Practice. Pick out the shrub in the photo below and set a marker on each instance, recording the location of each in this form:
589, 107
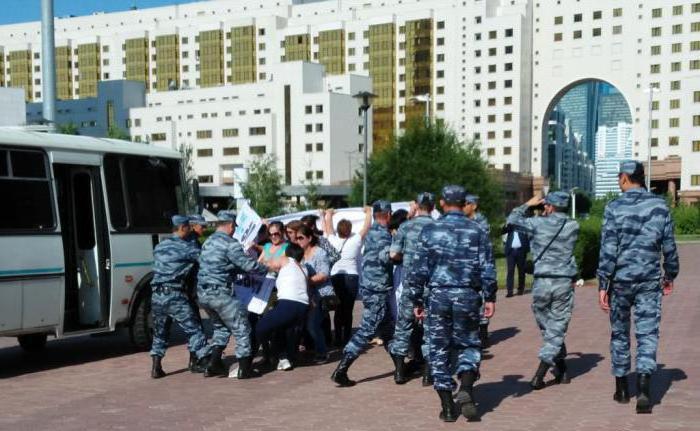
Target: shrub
588, 246
686, 219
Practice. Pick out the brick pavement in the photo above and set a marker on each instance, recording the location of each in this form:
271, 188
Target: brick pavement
102, 383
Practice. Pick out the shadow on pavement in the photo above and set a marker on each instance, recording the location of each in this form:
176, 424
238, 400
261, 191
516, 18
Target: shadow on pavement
661, 381
490, 395
378, 377
581, 363
500, 335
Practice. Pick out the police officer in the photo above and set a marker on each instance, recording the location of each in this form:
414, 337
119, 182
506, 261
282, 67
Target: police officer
471, 209
375, 286
198, 224
222, 258
553, 238
173, 260
403, 249
453, 252
637, 230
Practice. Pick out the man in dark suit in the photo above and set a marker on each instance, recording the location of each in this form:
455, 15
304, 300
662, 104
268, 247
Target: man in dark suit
517, 246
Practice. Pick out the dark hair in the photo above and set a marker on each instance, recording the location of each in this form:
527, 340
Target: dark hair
293, 225
344, 228
294, 251
426, 207
308, 232
278, 224
397, 219
310, 221
637, 179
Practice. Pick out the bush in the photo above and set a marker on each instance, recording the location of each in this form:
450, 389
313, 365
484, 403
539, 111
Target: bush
588, 246
686, 219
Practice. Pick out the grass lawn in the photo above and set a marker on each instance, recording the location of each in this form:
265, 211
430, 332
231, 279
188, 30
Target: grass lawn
687, 238
501, 269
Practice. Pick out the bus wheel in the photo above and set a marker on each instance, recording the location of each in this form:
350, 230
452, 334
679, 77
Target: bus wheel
141, 329
32, 343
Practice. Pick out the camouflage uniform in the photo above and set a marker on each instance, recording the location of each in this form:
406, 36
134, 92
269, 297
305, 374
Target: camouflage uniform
482, 221
454, 253
222, 258
174, 259
637, 229
552, 291
406, 242
375, 286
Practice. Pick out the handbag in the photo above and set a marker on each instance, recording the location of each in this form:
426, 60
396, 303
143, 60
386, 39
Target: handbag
530, 264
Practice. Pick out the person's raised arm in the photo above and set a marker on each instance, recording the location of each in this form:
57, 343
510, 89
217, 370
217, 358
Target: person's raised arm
367, 223
328, 229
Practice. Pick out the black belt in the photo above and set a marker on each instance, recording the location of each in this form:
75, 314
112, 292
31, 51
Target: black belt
166, 288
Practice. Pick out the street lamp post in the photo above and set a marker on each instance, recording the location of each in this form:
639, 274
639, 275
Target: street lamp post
651, 90
365, 98
573, 202
424, 98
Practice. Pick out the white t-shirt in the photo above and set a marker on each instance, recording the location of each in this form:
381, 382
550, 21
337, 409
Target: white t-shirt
291, 283
349, 253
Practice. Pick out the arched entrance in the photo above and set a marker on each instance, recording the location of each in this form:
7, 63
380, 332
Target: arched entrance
586, 132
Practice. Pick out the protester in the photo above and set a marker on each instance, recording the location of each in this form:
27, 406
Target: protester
279, 325
277, 245
318, 267
344, 274
291, 230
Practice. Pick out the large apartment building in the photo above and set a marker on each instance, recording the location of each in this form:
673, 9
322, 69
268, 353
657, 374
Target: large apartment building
493, 69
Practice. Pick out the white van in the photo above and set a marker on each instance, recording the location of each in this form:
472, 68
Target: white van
79, 221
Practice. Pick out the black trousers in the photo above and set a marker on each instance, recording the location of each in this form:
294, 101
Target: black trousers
513, 260
346, 287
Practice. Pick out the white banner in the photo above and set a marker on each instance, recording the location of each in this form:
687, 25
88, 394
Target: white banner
248, 223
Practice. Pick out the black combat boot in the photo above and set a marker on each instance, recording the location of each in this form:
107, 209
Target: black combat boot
197, 365
340, 375
427, 375
484, 335
399, 370
449, 412
465, 396
643, 396
216, 366
537, 381
157, 369
622, 394
560, 374
245, 368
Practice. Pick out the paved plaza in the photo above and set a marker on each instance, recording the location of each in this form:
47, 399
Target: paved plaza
101, 383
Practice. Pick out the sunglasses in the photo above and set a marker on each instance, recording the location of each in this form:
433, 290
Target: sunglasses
301, 237
275, 234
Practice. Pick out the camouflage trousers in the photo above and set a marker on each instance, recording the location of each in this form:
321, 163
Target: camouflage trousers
482, 319
167, 304
645, 298
552, 304
227, 316
454, 331
374, 309
405, 324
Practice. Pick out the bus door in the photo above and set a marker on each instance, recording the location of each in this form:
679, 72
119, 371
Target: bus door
85, 244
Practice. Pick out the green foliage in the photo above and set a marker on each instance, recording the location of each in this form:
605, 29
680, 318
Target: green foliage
426, 159
311, 197
598, 205
115, 132
686, 219
264, 186
67, 129
588, 246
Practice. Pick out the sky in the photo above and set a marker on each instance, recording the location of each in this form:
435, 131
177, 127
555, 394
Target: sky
14, 11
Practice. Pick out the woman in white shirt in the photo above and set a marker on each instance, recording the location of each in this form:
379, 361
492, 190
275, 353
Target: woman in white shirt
344, 274
280, 324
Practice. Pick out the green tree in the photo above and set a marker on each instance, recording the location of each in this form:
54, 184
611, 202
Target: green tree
189, 199
264, 186
115, 132
426, 159
67, 129
311, 196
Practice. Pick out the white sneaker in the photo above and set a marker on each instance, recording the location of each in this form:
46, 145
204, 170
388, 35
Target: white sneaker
284, 365
233, 372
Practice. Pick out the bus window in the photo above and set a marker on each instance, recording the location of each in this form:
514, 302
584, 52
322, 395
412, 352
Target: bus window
25, 186
145, 189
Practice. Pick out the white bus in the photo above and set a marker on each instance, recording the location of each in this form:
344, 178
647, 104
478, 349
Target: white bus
78, 224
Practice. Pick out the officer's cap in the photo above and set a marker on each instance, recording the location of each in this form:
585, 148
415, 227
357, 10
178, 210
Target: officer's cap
179, 220
454, 194
425, 198
472, 199
557, 199
226, 216
632, 167
381, 206
198, 219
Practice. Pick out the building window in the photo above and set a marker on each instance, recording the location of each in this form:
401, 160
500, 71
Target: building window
230, 133
492, 52
654, 142
508, 117
493, 34
696, 120
694, 64
695, 180
508, 100
309, 128
675, 103
509, 32
597, 32
319, 127
205, 179
617, 29
696, 96
203, 134
507, 151
309, 175
256, 131
319, 175
695, 45
695, 27
491, 118
695, 7
492, 101
490, 151
656, 31
675, 122
578, 17
558, 20
673, 141
696, 146
578, 34
655, 105
319, 146
678, 10
155, 137
617, 12
676, 48
231, 151
656, 13
675, 85
205, 152
677, 28
598, 14
308, 109
655, 68
440, 58
309, 147
507, 134
656, 50
506, 167
508, 83
257, 150
509, 49
558, 37
319, 109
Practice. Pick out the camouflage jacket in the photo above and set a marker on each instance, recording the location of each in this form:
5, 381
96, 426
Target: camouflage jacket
222, 258
406, 239
173, 258
377, 267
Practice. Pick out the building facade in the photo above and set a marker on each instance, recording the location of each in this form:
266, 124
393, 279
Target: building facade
12, 108
308, 120
493, 69
613, 145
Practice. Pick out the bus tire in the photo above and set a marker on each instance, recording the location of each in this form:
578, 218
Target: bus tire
141, 328
32, 343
